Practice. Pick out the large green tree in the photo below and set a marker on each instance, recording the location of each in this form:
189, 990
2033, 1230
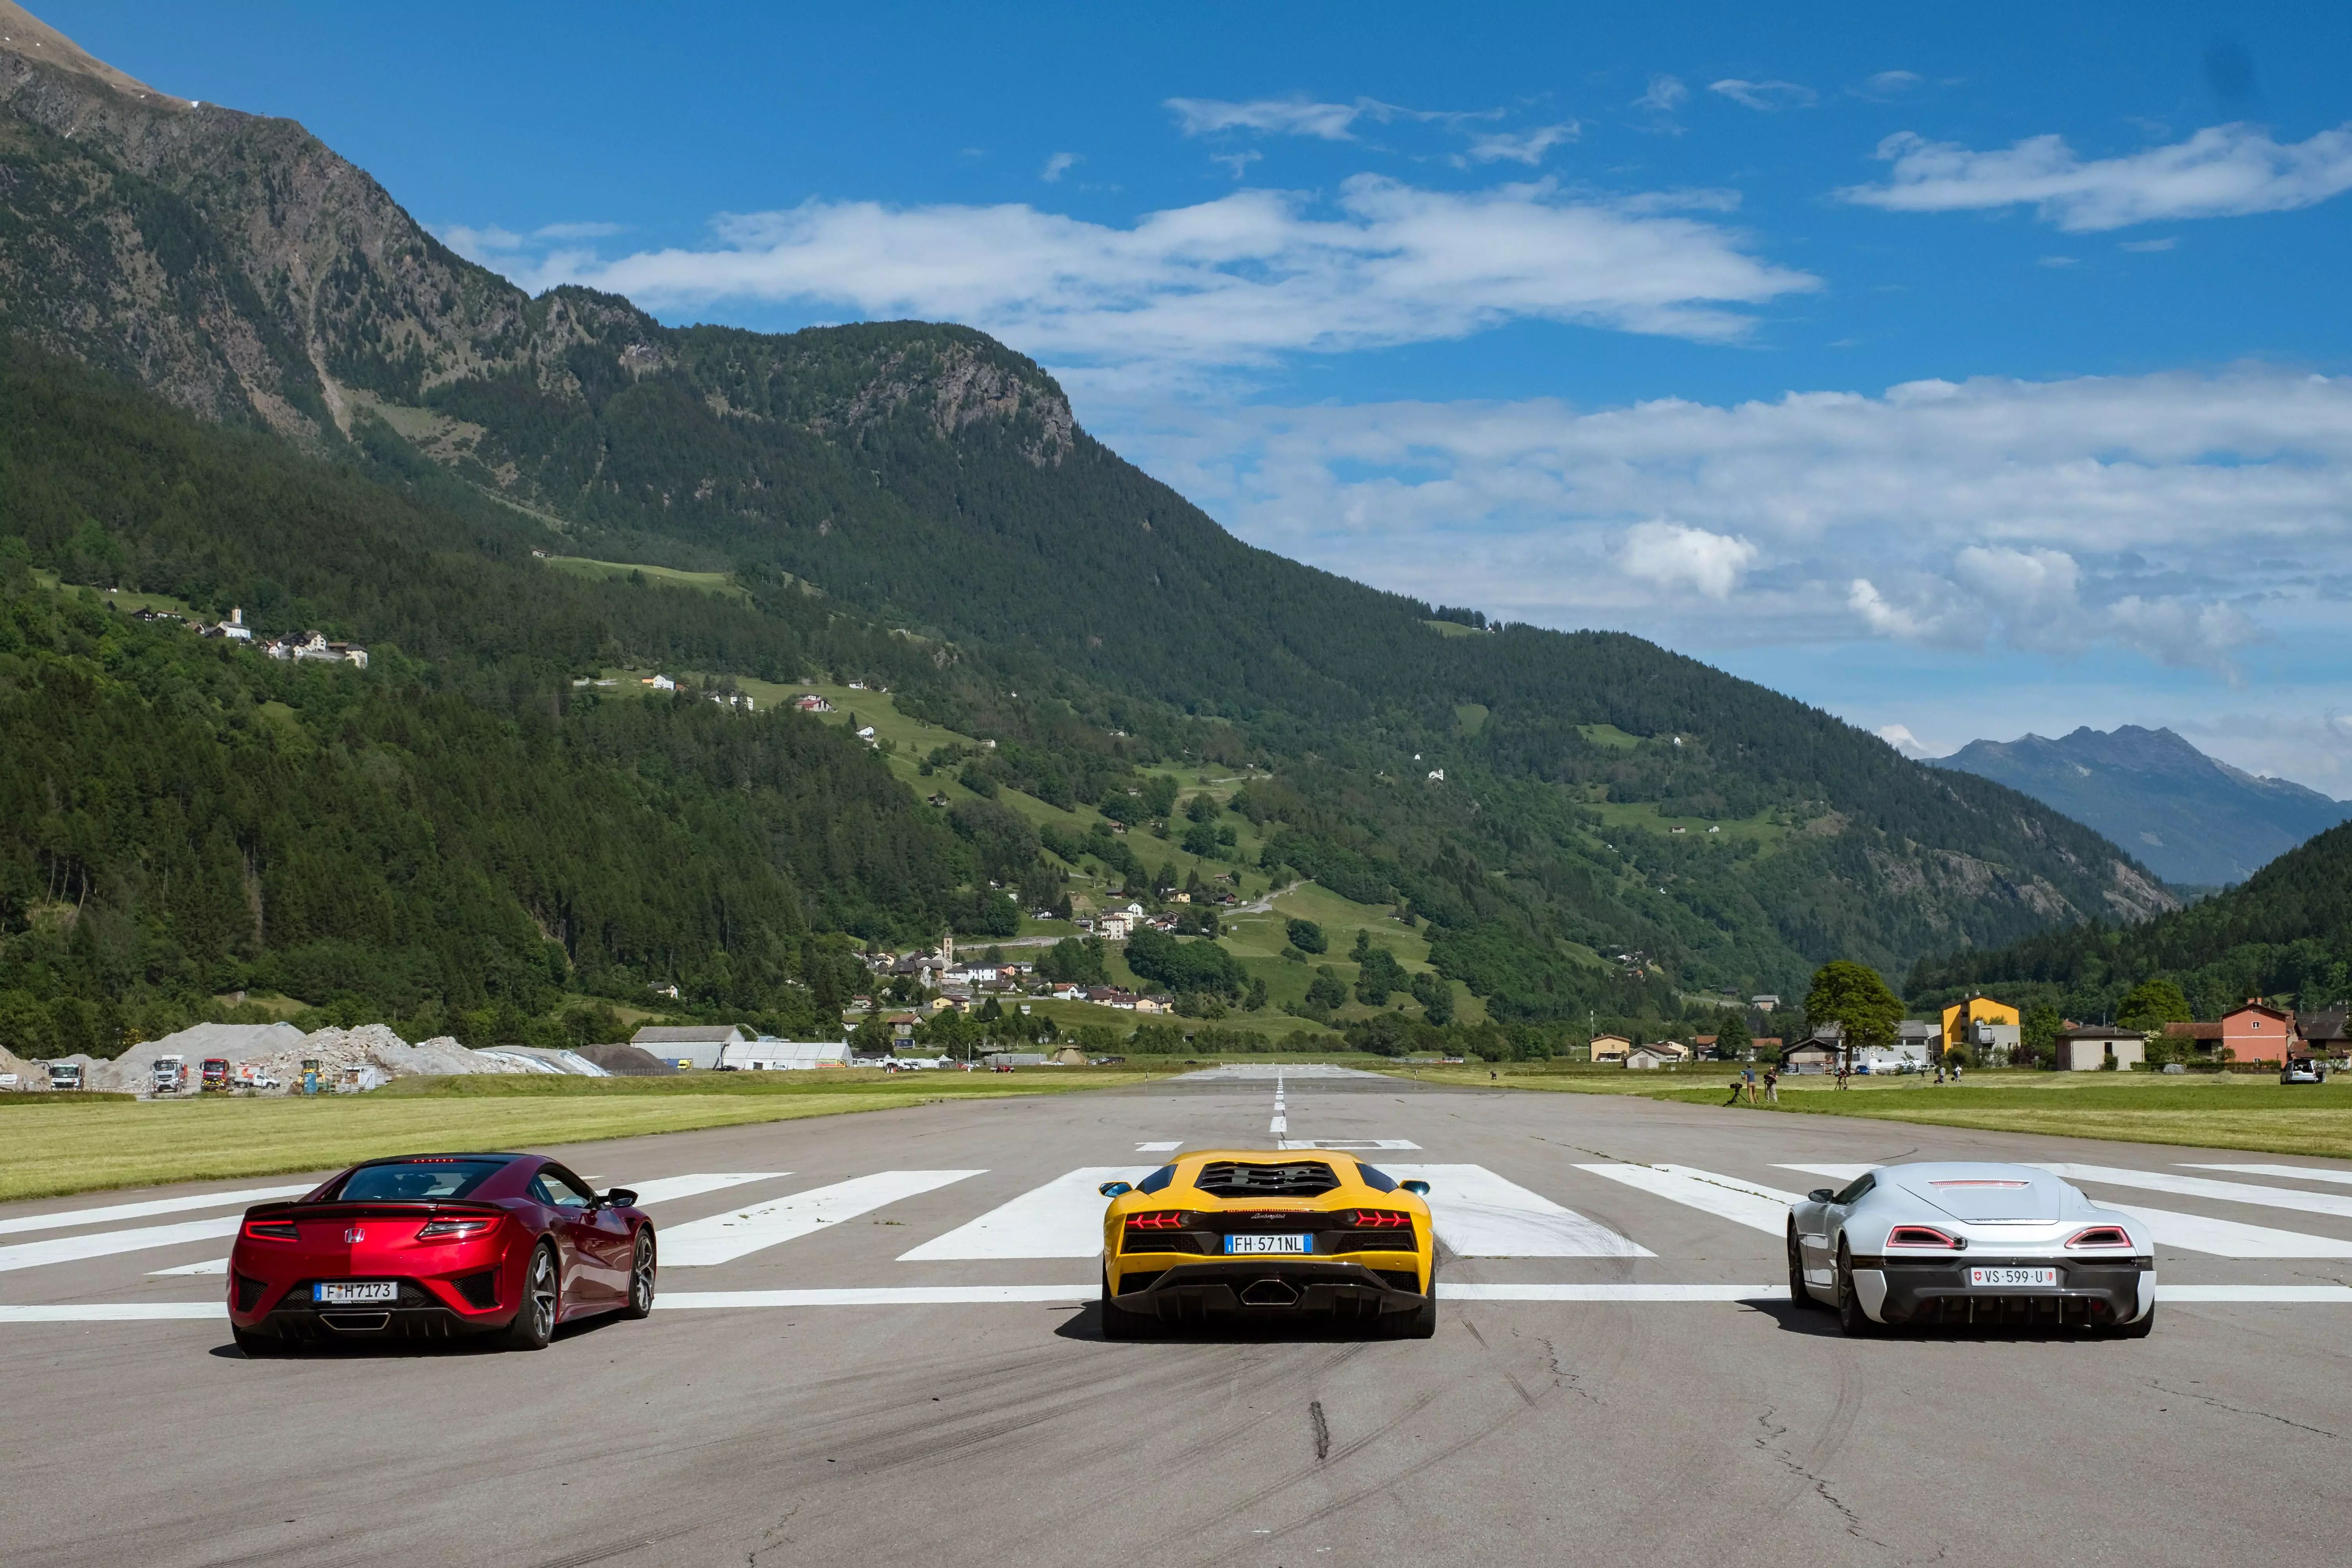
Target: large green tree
1852, 996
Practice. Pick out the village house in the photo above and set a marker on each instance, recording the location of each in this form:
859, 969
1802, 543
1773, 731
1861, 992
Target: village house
314, 646
1114, 927
699, 1045
810, 703
1989, 1025
234, 628
1650, 1059
2086, 1047
1155, 1003
2255, 1033
1811, 1056
658, 682
1611, 1048
2327, 1033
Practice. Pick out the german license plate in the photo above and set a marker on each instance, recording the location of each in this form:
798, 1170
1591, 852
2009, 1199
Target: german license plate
2012, 1279
1270, 1243
356, 1292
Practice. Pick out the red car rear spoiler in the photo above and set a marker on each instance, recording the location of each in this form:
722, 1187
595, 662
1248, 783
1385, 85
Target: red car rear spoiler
371, 1209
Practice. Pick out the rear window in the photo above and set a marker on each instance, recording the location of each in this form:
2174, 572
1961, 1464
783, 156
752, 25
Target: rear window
1158, 1179
417, 1179
1379, 1180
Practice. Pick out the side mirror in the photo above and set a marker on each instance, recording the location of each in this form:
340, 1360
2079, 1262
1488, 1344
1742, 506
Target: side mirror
1112, 1189
621, 1198
1418, 1189
1821, 1195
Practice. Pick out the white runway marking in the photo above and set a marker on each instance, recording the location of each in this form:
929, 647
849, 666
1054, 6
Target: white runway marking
724, 1237
659, 1189
880, 1296
1159, 1147
1726, 1197
1016, 1295
2334, 1204
1480, 1214
1063, 1218
105, 1244
1448, 1291
2187, 1232
1281, 1124
1348, 1144
669, 1189
114, 1212
2300, 1173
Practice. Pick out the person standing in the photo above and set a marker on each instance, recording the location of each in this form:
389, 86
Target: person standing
1772, 1085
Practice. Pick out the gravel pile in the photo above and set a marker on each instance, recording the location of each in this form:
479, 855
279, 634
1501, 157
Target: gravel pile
366, 1057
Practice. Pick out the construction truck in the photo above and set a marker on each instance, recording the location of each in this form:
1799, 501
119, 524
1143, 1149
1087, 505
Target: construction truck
215, 1079
65, 1075
171, 1075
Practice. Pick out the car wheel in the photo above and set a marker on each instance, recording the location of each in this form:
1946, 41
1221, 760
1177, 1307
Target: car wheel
1797, 1290
256, 1346
641, 1277
1118, 1322
542, 1302
1421, 1323
1852, 1319
2139, 1330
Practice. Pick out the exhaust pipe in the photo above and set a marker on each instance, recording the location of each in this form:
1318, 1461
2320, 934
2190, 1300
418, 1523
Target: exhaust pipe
1270, 1293
355, 1322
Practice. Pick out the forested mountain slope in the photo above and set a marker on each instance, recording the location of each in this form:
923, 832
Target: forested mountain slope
2285, 932
2193, 821
913, 503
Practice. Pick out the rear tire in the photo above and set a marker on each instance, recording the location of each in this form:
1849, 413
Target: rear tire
257, 1346
1118, 1322
1799, 1291
1855, 1322
543, 1303
642, 1277
1421, 1323
2139, 1330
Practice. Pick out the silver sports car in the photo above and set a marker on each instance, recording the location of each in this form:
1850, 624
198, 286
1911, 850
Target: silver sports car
1970, 1244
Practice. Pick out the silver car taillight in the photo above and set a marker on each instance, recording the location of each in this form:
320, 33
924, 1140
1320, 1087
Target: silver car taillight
1925, 1236
2100, 1235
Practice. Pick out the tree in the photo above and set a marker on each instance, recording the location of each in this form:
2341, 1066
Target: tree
1255, 1000
1732, 1038
1326, 990
1075, 961
1435, 994
1202, 808
2151, 1005
1380, 974
1852, 996
1308, 937
2038, 1032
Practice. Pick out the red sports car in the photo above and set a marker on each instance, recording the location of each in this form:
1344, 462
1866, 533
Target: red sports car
438, 1244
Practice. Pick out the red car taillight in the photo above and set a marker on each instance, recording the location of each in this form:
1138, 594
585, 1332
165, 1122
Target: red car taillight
453, 1230
1381, 1219
1157, 1219
2100, 1235
271, 1230
1923, 1236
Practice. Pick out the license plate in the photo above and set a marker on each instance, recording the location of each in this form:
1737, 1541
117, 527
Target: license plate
1270, 1244
2012, 1279
353, 1292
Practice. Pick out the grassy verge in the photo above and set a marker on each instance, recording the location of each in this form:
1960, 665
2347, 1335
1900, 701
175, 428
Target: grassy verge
2215, 1111
51, 1150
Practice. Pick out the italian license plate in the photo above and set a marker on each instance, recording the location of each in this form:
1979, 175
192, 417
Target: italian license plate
356, 1292
2012, 1279
1270, 1243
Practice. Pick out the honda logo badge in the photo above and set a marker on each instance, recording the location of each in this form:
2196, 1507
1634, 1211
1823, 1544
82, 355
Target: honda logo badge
354, 1233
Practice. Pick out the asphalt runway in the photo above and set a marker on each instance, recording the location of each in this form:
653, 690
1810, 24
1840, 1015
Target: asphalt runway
875, 1345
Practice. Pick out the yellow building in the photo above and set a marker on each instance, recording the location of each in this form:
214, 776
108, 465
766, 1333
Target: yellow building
1975, 1010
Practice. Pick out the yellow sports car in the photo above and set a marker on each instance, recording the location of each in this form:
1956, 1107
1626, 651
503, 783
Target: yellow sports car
1234, 1233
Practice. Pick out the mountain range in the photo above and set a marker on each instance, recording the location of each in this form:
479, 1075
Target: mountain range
2192, 820
239, 374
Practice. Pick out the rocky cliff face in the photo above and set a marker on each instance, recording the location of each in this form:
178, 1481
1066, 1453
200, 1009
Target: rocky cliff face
240, 266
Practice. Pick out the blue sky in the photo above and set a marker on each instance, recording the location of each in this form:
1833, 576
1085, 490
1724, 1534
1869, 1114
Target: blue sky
1961, 370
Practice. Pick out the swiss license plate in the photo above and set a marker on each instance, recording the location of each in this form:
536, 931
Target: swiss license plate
355, 1292
2012, 1279
1270, 1243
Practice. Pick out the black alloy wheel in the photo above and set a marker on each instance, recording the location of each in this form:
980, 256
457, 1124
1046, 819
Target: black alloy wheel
257, 1345
1855, 1322
2139, 1330
641, 1277
542, 1301
1421, 1323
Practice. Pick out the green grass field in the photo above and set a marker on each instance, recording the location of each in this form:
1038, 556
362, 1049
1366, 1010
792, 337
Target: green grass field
717, 583
2216, 1110
52, 1149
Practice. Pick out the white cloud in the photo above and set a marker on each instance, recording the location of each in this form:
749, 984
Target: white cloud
1058, 166
1672, 556
1238, 280
1765, 95
1666, 95
1528, 147
1284, 116
1900, 737
2179, 517
1885, 87
2224, 171
479, 244
561, 231
2058, 262
2146, 246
